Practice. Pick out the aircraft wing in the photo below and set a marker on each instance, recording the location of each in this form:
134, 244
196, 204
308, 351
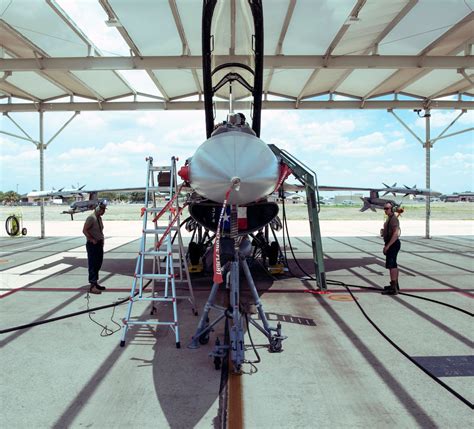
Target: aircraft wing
136, 189
294, 187
124, 190
54, 193
388, 189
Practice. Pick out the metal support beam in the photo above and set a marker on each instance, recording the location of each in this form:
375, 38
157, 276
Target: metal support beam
19, 137
405, 125
27, 136
191, 62
442, 136
452, 134
238, 105
62, 128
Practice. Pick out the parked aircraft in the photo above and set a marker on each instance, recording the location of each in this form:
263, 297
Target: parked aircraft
374, 200
61, 193
231, 175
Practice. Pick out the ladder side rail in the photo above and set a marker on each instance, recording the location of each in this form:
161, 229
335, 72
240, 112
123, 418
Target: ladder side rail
145, 222
130, 302
169, 265
182, 257
186, 270
156, 262
173, 293
174, 192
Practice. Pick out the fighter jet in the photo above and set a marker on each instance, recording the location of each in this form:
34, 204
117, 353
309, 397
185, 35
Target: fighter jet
61, 193
374, 201
91, 203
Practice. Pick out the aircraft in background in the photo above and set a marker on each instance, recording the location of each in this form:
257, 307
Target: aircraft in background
61, 193
375, 201
81, 204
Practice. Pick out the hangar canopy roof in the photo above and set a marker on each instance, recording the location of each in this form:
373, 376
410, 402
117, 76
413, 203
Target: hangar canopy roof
122, 55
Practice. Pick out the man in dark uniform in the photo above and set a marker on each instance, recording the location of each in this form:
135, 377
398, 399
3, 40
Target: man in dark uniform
390, 233
93, 230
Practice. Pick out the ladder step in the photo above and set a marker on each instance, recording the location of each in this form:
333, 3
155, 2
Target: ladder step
153, 276
155, 252
159, 189
174, 249
157, 298
159, 230
160, 168
154, 209
148, 322
177, 297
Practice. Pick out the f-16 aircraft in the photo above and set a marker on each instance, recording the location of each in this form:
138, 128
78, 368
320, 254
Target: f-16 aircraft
229, 179
81, 205
61, 193
374, 201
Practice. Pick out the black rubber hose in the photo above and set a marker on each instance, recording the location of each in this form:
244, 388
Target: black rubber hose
66, 316
449, 389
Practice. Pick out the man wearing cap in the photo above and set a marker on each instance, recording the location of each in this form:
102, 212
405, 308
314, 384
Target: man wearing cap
391, 234
93, 230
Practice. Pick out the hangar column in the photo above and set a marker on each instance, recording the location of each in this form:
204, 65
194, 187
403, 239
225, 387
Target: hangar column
427, 145
41, 148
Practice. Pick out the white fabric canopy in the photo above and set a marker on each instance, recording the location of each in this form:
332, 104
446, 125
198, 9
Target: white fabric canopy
327, 51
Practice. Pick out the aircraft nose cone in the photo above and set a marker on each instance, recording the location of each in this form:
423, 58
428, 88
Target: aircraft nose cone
237, 160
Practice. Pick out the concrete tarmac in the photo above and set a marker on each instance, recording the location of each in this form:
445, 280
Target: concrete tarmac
335, 371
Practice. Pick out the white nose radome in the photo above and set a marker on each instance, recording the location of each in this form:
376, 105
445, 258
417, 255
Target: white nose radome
237, 160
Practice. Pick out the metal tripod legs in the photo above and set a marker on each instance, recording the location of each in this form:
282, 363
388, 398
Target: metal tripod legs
235, 318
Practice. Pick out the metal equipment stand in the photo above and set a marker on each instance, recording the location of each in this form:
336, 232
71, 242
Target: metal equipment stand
233, 314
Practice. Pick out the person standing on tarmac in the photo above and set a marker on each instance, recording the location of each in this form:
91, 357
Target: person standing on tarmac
93, 230
391, 234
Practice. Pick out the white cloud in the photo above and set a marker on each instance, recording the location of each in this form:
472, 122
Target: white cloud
398, 144
369, 145
110, 151
456, 163
305, 135
139, 146
7, 146
149, 119
391, 169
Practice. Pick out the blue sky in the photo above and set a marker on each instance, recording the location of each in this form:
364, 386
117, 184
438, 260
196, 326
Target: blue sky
351, 148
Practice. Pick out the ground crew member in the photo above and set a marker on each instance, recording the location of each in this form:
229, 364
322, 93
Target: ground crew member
93, 230
391, 234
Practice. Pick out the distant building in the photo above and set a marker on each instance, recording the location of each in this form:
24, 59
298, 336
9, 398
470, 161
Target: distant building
454, 198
